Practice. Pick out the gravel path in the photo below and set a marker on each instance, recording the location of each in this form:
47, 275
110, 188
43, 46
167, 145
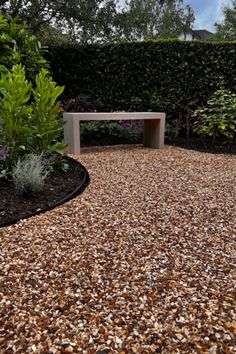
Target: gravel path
144, 261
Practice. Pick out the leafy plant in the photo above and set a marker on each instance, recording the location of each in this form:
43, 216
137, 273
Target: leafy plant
107, 132
82, 103
218, 118
172, 130
18, 45
29, 120
100, 128
134, 127
29, 175
52, 162
46, 125
15, 113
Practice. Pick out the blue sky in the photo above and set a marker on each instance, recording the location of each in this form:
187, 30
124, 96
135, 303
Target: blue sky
207, 12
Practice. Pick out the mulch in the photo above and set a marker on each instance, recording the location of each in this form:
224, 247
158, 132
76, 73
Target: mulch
144, 261
59, 186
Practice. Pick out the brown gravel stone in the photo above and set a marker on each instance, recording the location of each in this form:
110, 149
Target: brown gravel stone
144, 261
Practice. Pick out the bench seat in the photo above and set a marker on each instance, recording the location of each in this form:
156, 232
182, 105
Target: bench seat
154, 127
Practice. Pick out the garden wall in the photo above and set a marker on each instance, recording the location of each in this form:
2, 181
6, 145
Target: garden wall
166, 75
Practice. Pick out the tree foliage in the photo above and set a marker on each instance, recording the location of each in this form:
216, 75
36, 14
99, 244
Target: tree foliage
90, 21
144, 19
227, 28
61, 20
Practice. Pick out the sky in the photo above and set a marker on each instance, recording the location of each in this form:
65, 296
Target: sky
207, 12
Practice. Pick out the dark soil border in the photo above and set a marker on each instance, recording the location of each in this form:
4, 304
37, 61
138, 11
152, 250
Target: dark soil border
81, 187
196, 144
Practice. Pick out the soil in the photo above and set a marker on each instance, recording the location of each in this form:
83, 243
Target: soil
59, 186
193, 143
196, 144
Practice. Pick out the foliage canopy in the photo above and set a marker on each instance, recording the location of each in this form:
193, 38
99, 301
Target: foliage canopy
227, 28
88, 21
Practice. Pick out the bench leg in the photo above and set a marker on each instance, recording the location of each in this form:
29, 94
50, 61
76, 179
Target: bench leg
72, 135
154, 133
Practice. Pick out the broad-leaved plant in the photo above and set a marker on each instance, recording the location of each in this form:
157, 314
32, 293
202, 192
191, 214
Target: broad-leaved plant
218, 118
29, 117
15, 112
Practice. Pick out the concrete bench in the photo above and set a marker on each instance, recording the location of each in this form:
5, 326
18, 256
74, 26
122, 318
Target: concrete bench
154, 127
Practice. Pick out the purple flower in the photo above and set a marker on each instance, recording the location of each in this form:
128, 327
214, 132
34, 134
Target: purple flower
133, 126
4, 152
48, 160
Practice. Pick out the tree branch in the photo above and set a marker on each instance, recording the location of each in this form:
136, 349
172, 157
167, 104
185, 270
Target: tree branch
53, 14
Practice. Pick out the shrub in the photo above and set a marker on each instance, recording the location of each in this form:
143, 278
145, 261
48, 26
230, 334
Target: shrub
218, 118
82, 103
29, 175
165, 75
97, 131
17, 46
29, 124
172, 130
15, 114
132, 130
45, 111
106, 132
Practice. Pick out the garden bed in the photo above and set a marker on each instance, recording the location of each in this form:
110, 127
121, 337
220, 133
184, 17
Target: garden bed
60, 186
196, 144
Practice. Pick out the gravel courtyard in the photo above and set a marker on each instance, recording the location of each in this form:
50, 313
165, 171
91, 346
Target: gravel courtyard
144, 261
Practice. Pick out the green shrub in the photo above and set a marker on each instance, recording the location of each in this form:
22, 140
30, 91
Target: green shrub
166, 75
105, 132
82, 103
45, 110
17, 46
218, 118
29, 175
172, 130
15, 113
29, 116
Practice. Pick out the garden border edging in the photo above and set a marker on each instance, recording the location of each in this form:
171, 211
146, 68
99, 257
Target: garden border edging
81, 187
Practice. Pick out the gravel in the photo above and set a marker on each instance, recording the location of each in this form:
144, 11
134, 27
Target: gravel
144, 261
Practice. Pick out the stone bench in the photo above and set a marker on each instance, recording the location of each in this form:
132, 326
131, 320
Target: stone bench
154, 127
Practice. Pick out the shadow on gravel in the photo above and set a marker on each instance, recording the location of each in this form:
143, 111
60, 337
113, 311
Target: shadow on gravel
197, 145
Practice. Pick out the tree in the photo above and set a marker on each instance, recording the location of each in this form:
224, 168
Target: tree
227, 28
90, 21
81, 20
142, 19
34, 13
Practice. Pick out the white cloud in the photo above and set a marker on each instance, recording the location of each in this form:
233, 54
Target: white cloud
213, 12
207, 12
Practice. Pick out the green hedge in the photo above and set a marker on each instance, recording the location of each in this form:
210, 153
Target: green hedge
166, 75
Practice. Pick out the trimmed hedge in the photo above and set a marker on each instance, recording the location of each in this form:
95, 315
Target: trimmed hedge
165, 75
